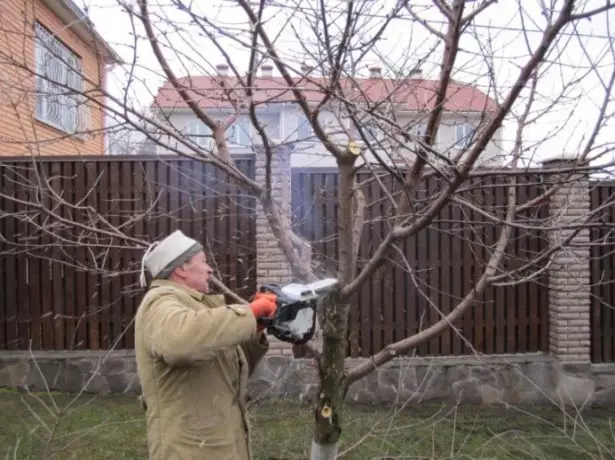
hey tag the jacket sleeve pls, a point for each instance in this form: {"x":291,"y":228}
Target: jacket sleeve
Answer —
{"x":255,"y":350}
{"x":182,"y":336}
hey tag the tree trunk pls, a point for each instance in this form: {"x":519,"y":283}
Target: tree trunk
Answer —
{"x":328,"y":405}
{"x":333,"y":313}
{"x":323,"y":451}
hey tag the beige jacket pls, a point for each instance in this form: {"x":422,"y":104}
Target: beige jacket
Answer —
{"x":194,"y":355}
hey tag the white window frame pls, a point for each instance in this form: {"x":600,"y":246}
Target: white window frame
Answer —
{"x":464,"y":133}
{"x":59,"y":84}
{"x":373,"y":133}
{"x":272,"y":124}
{"x":240,"y":133}
{"x":199,"y":133}
{"x":305,"y":131}
{"x":419,"y":131}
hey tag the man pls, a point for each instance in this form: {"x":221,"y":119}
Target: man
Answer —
{"x":194,"y":355}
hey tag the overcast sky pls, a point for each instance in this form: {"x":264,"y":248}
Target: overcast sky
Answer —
{"x":497,"y":33}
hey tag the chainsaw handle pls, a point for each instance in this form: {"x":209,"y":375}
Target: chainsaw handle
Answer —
{"x":265,"y":321}
{"x":274,"y":289}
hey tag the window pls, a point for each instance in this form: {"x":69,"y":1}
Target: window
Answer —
{"x":245,"y":132}
{"x":199,"y":133}
{"x":243,"y":129}
{"x":419,"y":129}
{"x":372,"y":132}
{"x":304,"y":129}
{"x":240,"y":133}
{"x":463,"y":135}
{"x":271,"y":124}
{"x":59,"y":84}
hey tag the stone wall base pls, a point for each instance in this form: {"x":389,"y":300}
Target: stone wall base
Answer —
{"x":511,"y":379}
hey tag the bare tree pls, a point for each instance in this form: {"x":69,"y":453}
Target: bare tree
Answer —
{"x":122,"y":140}
{"x":515,"y":85}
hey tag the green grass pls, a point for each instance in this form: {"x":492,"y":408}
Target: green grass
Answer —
{"x":112,"y":427}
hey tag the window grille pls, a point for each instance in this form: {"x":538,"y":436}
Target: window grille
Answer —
{"x":59,"y":84}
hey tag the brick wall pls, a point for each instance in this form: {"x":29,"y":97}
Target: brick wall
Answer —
{"x":20,"y":132}
{"x":272,"y":266}
{"x":569,"y":274}
{"x":271,"y":263}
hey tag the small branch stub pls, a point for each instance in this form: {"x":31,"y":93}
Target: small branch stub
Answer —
{"x":354,"y":148}
{"x":326,"y":411}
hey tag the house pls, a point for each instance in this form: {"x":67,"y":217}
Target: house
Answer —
{"x":408,"y":102}
{"x":50,"y":58}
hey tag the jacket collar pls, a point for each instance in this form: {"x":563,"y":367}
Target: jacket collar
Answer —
{"x":212,"y":300}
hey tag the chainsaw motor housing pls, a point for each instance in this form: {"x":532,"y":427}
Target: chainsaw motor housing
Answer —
{"x":295,"y":318}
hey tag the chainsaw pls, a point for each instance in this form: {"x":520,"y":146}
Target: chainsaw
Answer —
{"x":295,"y":318}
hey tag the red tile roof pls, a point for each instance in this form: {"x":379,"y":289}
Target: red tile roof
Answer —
{"x":411,"y":94}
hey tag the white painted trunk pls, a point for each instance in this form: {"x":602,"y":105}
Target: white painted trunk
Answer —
{"x":324,"y":451}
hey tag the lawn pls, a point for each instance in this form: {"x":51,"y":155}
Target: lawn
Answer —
{"x":112,"y":427}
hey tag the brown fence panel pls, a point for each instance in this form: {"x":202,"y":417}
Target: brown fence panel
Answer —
{"x":603,"y":273}
{"x":431,"y":272}
{"x":45,"y":304}
{"x":48,"y":305}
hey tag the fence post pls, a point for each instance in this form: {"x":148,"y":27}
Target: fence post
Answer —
{"x":271,"y":264}
{"x":569,"y":273}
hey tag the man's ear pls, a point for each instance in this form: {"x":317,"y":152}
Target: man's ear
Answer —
{"x":180,"y":271}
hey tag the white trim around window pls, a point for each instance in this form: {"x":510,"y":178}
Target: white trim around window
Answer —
{"x":239,"y":133}
{"x":464,"y":134}
{"x":59,"y":84}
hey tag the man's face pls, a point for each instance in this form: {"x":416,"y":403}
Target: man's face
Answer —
{"x":196,"y":272}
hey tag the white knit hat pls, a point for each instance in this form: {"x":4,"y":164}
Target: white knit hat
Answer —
{"x":163,"y":253}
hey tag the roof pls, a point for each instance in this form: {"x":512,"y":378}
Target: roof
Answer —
{"x":78,"y":22}
{"x":408,"y":94}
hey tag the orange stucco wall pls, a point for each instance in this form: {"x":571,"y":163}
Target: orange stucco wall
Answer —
{"x":20,"y":132}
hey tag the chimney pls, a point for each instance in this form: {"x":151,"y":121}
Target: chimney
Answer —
{"x":267,"y":70}
{"x":375,"y":72}
{"x":416,"y":74}
{"x":222,"y":70}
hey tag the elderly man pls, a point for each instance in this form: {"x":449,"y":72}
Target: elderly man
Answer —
{"x":194,"y":355}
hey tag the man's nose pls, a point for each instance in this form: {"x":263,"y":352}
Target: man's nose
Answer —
{"x":210,"y":270}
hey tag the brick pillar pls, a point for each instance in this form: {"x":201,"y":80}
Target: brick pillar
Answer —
{"x":569,"y":274}
{"x":271,"y":263}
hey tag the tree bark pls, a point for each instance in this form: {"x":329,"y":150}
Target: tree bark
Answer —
{"x":328,"y":405}
{"x":333,"y":313}
{"x":323,"y":452}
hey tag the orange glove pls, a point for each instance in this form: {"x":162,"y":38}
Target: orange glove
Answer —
{"x":269,"y":295}
{"x":263,"y":304}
